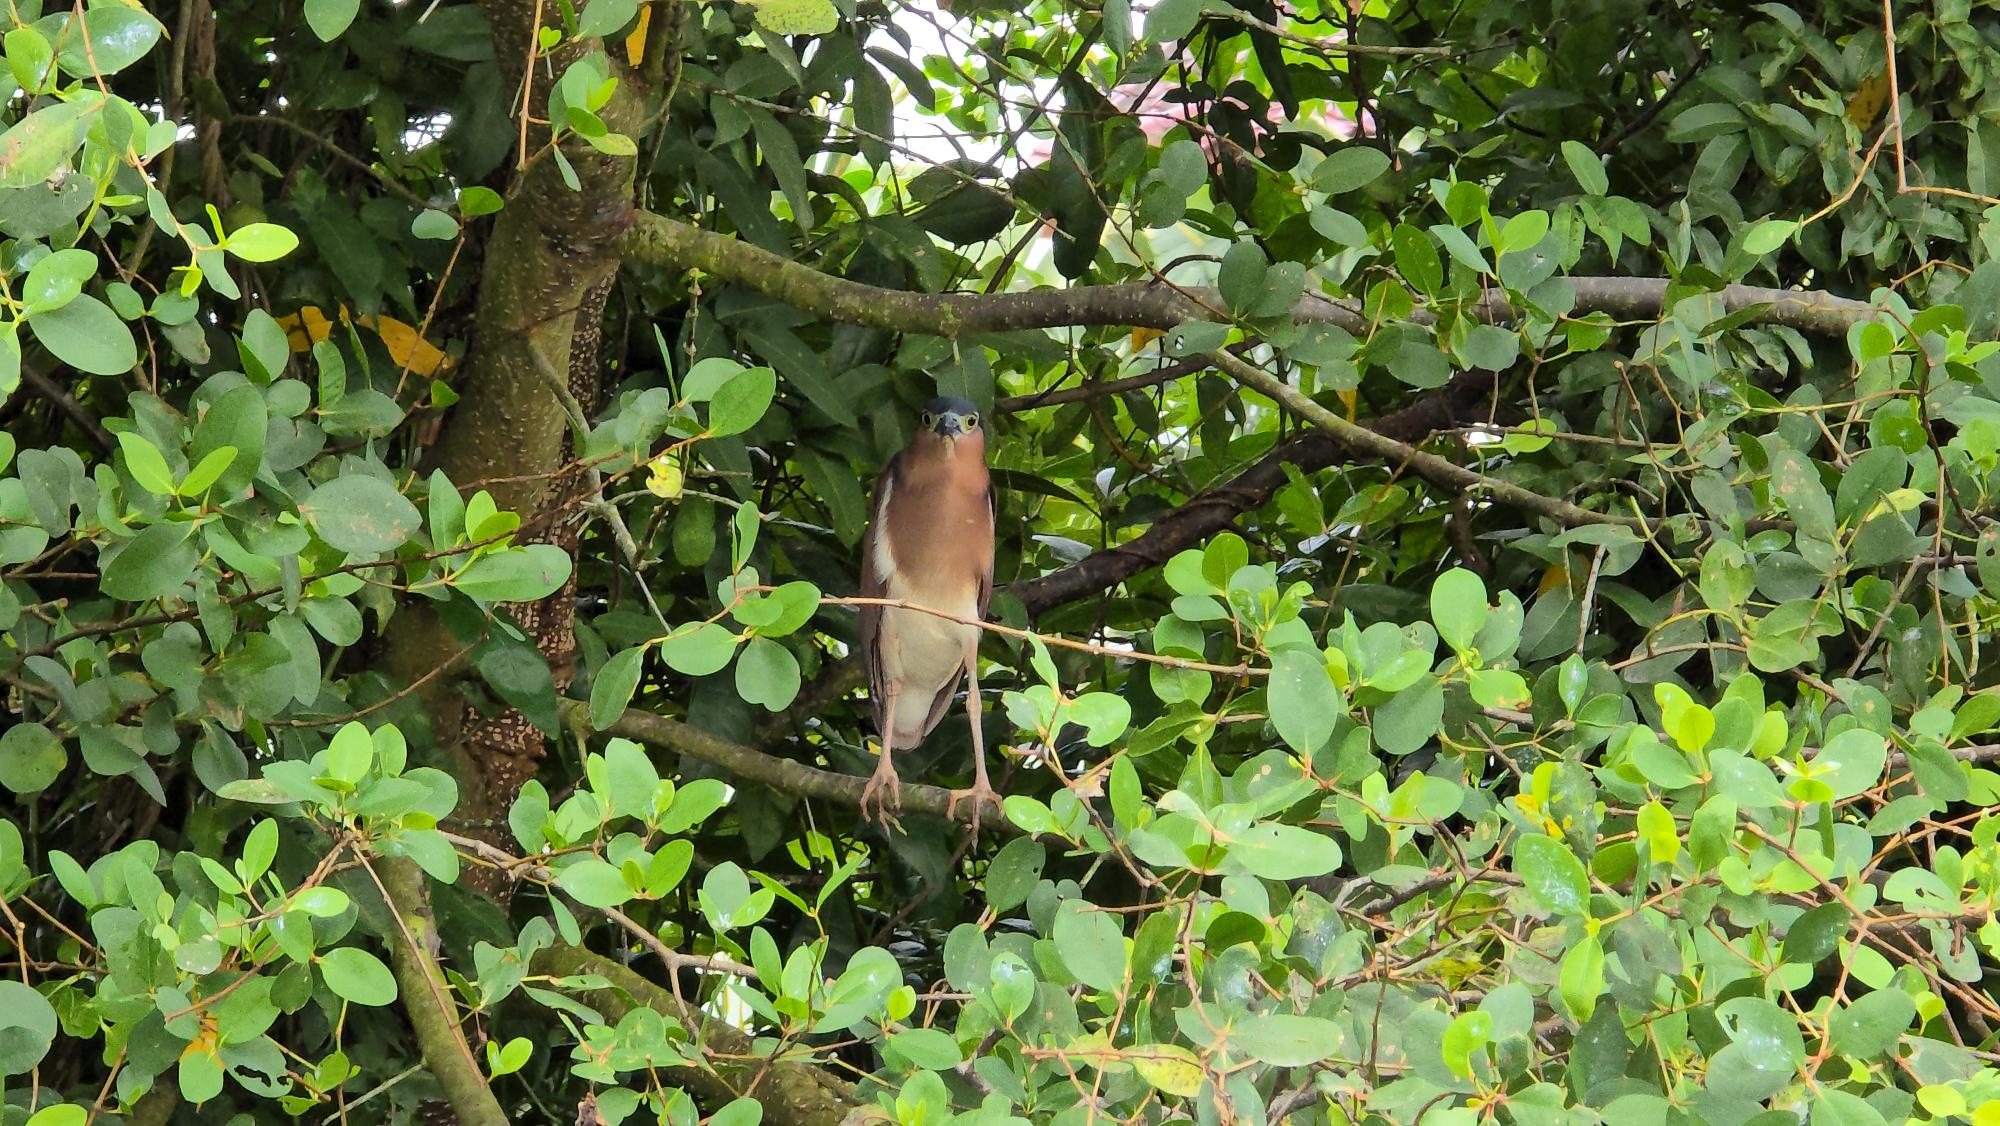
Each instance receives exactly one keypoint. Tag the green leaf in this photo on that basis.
(1815, 935)
(1552, 875)
(515, 574)
(145, 463)
(1767, 235)
(928, 1048)
(767, 674)
(1303, 700)
(1796, 485)
(434, 224)
(350, 754)
(206, 472)
(1285, 1040)
(27, 1028)
(1241, 277)
(158, 562)
(1274, 851)
(1458, 607)
(41, 142)
(509, 1059)
(1523, 231)
(611, 689)
(118, 37)
(1092, 945)
(358, 976)
(1871, 1025)
(1851, 762)
(1587, 167)
(1355, 166)
(476, 201)
(31, 756)
(603, 17)
(328, 18)
(1013, 873)
(262, 242)
(1581, 980)
(56, 279)
(87, 335)
(29, 57)
(741, 402)
(700, 651)
(361, 515)
(1417, 259)
(594, 883)
(1467, 1033)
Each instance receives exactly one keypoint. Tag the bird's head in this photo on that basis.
(950, 425)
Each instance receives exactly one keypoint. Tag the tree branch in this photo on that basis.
(792, 1093)
(426, 999)
(1465, 398)
(660, 241)
(784, 774)
(1430, 467)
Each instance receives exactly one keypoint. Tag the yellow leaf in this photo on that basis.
(666, 479)
(1557, 575)
(1168, 1067)
(1144, 336)
(635, 43)
(405, 346)
(1869, 100)
(307, 327)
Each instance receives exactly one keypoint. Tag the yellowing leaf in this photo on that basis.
(666, 479)
(1869, 100)
(1168, 1067)
(406, 347)
(1144, 336)
(307, 327)
(798, 17)
(635, 43)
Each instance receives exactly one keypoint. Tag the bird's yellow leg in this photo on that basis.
(884, 791)
(981, 792)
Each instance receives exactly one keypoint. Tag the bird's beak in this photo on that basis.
(950, 428)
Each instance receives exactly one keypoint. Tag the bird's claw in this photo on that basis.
(981, 796)
(882, 794)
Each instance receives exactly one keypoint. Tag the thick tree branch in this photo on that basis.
(1466, 398)
(792, 1093)
(753, 765)
(660, 241)
(426, 998)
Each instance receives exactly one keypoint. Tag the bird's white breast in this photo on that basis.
(921, 652)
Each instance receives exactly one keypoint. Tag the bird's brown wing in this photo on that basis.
(986, 572)
(874, 584)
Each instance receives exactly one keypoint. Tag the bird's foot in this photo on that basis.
(882, 797)
(981, 795)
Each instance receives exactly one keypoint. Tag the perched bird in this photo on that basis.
(930, 545)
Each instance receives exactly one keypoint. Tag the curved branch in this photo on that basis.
(660, 241)
(1213, 509)
(1430, 467)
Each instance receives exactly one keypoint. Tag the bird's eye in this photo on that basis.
(971, 421)
(928, 420)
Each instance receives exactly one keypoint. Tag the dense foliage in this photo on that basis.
(1496, 539)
